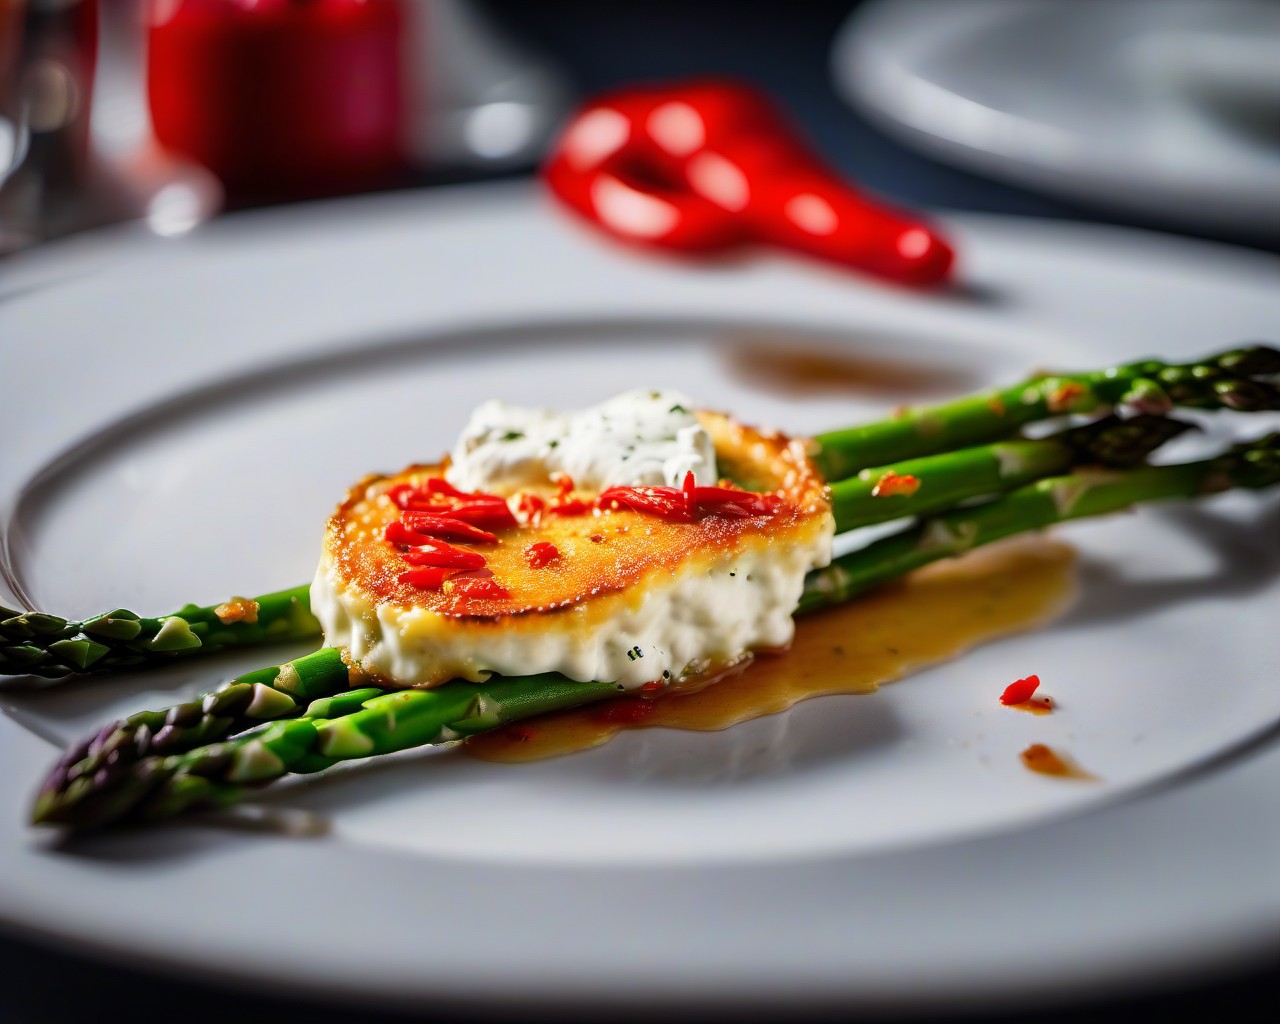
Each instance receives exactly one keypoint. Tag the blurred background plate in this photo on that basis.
(1169, 109)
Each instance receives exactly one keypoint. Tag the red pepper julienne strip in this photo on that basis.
(689, 503)
(477, 589)
(439, 496)
(541, 554)
(446, 526)
(443, 556)
(437, 510)
(427, 577)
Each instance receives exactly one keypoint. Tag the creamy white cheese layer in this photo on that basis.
(714, 611)
(638, 438)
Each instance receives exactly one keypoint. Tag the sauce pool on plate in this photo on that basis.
(933, 615)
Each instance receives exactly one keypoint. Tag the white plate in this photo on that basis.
(182, 415)
(1170, 108)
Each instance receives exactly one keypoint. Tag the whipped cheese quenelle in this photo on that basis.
(639, 438)
(628, 596)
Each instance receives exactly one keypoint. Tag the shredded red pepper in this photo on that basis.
(530, 508)
(400, 493)
(439, 485)
(540, 554)
(478, 588)
(444, 556)
(664, 502)
(1020, 690)
(689, 503)
(445, 525)
(495, 515)
(424, 550)
(438, 495)
(567, 503)
(892, 484)
(398, 533)
(426, 578)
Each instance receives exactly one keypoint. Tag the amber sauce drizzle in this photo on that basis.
(1035, 706)
(790, 367)
(935, 614)
(1046, 761)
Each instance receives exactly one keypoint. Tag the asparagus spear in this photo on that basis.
(366, 723)
(354, 724)
(918, 486)
(1254, 464)
(1242, 379)
(262, 695)
(34, 643)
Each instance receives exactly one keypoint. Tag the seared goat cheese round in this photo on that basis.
(597, 578)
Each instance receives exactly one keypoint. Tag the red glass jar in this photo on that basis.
(280, 97)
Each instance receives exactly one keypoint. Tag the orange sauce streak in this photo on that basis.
(1035, 706)
(935, 614)
(791, 366)
(1046, 761)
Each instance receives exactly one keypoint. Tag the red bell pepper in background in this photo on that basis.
(708, 165)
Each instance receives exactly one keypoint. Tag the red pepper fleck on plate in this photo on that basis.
(1020, 690)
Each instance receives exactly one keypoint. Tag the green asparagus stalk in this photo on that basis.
(367, 723)
(355, 724)
(1242, 379)
(34, 643)
(262, 695)
(1053, 500)
(935, 482)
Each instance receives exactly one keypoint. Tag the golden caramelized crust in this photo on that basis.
(601, 552)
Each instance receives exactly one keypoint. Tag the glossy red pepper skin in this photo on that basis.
(709, 166)
(689, 503)
(280, 97)
(1020, 690)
